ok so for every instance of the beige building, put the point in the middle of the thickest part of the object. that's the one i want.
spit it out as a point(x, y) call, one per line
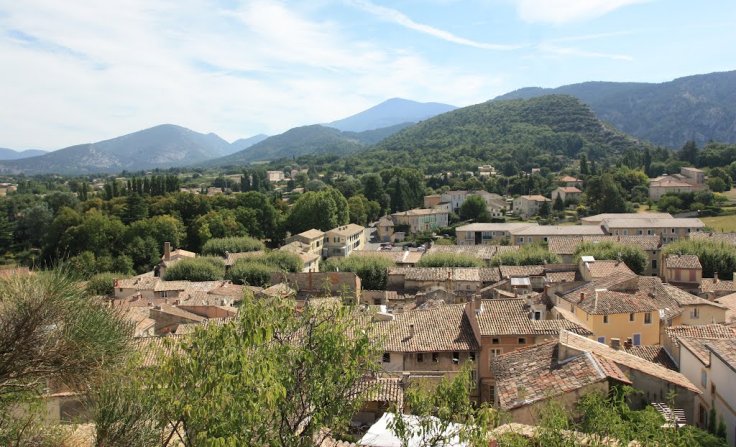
point(566, 246)
point(342, 241)
point(313, 240)
point(567, 194)
point(684, 271)
point(488, 233)
point(571, 181)
point(453, 279)
point(275, 176)
point(670, 229)
point(599, 218)
point(528, 206)
point(542, 233)
point(688, 180)
point(421, 219)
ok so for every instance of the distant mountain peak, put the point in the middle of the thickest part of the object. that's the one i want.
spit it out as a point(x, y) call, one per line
point(389, 113)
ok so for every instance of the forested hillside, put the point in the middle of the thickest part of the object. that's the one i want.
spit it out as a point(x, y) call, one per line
point(546, 132)
point(700, 108)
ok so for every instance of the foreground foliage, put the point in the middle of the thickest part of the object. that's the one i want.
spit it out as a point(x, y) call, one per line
point(52, 333)
point(273, 377)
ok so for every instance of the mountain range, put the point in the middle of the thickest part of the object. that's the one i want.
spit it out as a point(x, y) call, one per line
point(700, 108)
point(161, 146)
point(10, 154)
point(548, 131)
point(389, 113)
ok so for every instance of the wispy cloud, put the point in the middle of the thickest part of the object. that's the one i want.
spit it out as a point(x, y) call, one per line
point(564, 11)
point(548, 48)
point(254, 67)
point(586, 37)
point(399, 18)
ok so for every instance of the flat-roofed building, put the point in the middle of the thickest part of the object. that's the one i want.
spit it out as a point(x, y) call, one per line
point(488, 233)
point(599, 218)
point(421, 219)
point(670, 229)
point(542, 233)
point(341, 241)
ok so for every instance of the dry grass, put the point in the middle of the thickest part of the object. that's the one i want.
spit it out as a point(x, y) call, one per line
point(723, 224)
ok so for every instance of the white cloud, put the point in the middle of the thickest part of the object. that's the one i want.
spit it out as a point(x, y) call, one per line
point(90, 71)
point(563, 11)
point(395, 16)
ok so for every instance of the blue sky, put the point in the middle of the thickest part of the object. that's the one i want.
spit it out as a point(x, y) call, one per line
point(83, 71)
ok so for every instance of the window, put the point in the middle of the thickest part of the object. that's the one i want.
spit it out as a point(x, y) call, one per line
point(522, 340)
point(673, 231)
point(605, 319)
point(435, 357)
point(712, 388)
point(537, 315)
point(602, 340)
point(420, 357)
point(695, 314)
point(469, 236)
point(495, 352)
point(496, 341)
point(377, 301)
point(703, 378)
point(491, 393)
point(455, 358)
point(648, 318)
point(631, 316)
point(386, 357)
point(637, 340)
point(164, 294)
point(654, 263)
point(471, 356)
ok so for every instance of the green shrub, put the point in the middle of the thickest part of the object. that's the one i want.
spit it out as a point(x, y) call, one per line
point(103, 283)
point(282, 260)
point(218, 246)
point(450, 260)
point(204, 268)
point(533, 254)
point(715, 256)
point(634, 257)
point(251, 272)
point(372, 270)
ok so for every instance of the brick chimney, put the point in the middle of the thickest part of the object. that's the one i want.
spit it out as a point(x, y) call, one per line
point(616, 343)
point(167, 251)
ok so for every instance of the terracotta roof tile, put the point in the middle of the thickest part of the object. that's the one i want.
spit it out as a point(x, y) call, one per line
point(729, 238)
point(442, 328)
point(717, 285)
point(653, 353)
point(474, 274)
point(518, 271)
point(510, 316)
point(730, 302)
point(606, 268)
point(623, 358)
point(536, 373)
point(724, 350)
point(682, 262)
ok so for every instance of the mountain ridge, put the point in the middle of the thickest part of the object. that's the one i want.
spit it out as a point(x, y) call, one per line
point(699, 107)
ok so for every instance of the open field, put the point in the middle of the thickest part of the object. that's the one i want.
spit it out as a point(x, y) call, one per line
point(724, 224)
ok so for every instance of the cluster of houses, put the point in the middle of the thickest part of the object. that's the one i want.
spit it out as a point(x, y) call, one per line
point(528, 333)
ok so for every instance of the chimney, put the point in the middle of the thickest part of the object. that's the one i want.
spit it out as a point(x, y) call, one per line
point(628, 343)
point(167, 251)
point(582, 296)
point(616, 343)
point(411, 330)
point(477, 304)
point(715, 277)
point(546, 290)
